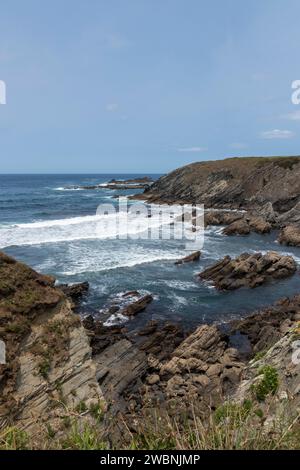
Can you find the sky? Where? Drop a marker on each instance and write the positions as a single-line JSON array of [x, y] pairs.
[[146, 86]]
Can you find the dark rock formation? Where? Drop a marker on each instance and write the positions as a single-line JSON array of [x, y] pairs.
[[46, 345], [190, 258], [249, 270], [239, 227], [221, 217], [75, 291], [232, 183], [137, 306], [248, 224], [267, 326], [132, 183]]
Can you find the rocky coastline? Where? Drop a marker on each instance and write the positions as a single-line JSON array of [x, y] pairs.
[[56, 361], [255, 194], [63, 368]]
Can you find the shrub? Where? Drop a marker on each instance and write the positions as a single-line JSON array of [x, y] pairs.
[[268, 384]]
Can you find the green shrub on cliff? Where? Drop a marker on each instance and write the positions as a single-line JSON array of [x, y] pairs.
[[268, 384]]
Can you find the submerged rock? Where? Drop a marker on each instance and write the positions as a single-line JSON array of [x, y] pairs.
[[190, 258], [249, 270]]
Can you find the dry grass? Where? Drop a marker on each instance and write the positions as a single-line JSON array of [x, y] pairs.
[[231, 427]]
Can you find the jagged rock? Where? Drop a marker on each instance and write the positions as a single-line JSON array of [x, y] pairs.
[[291, 216], [198, 369], [264, 327], [239, 227], [283, 403], [267, 213], [232, 183], [75, 291], [248, 224], [221, 217], [190, 258], [260, 225], [249, 270], [138, 306], [126, 304], [119, 366], [101, 336], [160, 340], [290, 235], [47, 351]]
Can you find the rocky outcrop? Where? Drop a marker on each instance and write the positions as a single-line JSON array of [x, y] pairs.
[[75, 292], [221, 217], [232, 183], [48, 357], [138, 306], [124, 304], [290, 217], [266, 327], [189, 258], [249, 270], [248, 224], [290, 235], [132, 183], [239, 227], [271, 381]]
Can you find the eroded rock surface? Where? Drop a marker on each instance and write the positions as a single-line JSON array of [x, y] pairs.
[[249, 270], [48, 357], [189, 258], [290, 235]]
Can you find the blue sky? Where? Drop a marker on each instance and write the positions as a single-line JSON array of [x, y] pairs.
[[146, 85]]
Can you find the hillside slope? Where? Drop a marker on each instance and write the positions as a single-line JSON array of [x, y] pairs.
[[232, 183]]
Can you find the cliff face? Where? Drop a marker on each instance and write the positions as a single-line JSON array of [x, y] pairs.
[[232, 183], [51, 374], [48, 358]]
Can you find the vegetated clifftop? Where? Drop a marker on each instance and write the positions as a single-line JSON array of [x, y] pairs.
[[232, 183], [48, 358]]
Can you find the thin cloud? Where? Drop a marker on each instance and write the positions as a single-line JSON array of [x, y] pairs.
[[192, 149], [277, 134], [111, 107], [294, 116]]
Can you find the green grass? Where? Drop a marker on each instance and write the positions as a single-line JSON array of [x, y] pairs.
[[268, 384]]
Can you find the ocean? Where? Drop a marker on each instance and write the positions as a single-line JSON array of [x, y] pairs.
[[50, 226]]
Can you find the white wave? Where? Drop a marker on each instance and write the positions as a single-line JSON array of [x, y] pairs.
[[129, 261], [116, 225], [177, 299], [68, 189], [116, 319], [61, 222], [180, 285]]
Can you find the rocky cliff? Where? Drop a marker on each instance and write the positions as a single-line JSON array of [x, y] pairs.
[[232, 183], [61, 373], [48, 358], [266, 188]]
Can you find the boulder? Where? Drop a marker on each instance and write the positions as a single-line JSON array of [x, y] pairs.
[[260, 225], [190, 258], [239, 227], [290, 235], [138, 306], [249, 270]]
